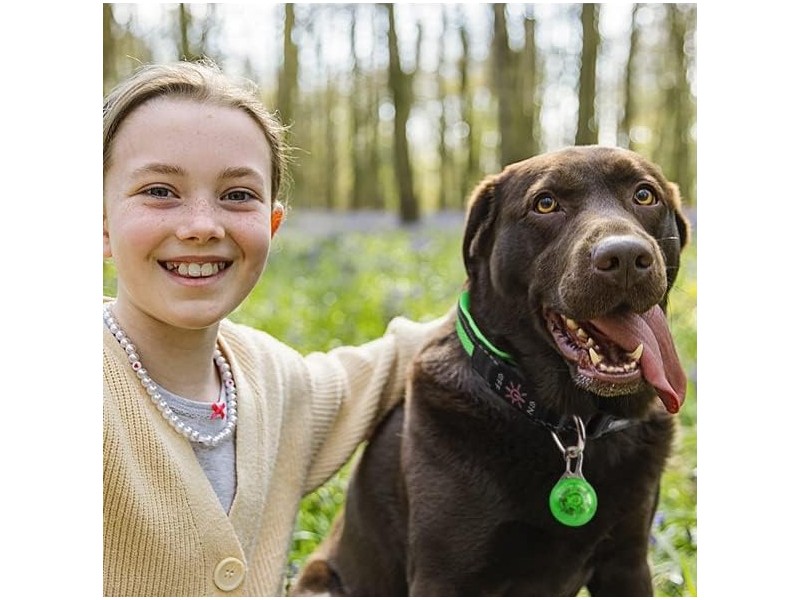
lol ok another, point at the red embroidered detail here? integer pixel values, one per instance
(217, 410)
(514, 394)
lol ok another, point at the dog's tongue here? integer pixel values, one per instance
(660, 365)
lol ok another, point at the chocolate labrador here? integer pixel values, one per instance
(527, 456)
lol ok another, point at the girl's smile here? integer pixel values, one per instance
(199, 268)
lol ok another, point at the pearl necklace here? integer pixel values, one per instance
(150, 387)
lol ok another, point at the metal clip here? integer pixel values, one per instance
(573, 453)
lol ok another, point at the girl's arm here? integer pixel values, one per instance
(355, 386)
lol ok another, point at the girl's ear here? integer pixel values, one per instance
(278, 213)
(106, 239)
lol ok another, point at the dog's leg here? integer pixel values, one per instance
(620, 565)
(628, 574)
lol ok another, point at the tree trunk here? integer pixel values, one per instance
(330, 184)
(184, 24)
(374, 187)
(503, 82)
(683, 151)
(530, 103)
(207, 31)
(471, 175)
(514, 122)
(587, 122)
(445, 157)
(400, 87)
(287, 77)
(110, 75)
(628, 102)
(357, 155)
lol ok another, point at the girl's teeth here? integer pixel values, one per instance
(196, 269)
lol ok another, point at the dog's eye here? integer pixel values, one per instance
(545, 204)
(644, 196)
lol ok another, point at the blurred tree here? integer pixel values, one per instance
(363, 147)
(375, 86)
(109, 45)
(469, 175)
(530, 82)
(288, 73)
(683, 158)
(123, 49)
(194, 32)
(628, 105)
(327, 120)
(446, 191)
(185, 51)
(587, 120)
(400, 86)
(515, 125)
(358, 118)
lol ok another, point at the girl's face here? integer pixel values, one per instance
(187, 211)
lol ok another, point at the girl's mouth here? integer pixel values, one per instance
(194, 269)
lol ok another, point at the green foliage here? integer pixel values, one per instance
(674, 534)
(317, 294)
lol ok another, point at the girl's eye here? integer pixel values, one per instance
(239, 196)
(645, 196)
(158, 192)
(545, 204)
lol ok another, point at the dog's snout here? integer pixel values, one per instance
(623, 259)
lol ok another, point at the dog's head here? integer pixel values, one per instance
(570, 257)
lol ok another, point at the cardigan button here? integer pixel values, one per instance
(229, 574)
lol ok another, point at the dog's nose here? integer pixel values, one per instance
(623, 259)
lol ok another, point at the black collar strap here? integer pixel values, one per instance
(500, 371)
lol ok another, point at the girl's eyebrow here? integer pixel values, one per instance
(237, 172)
(159, 168)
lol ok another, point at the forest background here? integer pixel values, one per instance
(405, 107)
(396, 111)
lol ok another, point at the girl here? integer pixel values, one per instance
(212, 431)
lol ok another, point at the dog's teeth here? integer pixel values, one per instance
(596, 358)
(571, 324)
(582, 335)
(590, 342)
(637, 354)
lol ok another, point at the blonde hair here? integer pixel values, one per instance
(202, 81)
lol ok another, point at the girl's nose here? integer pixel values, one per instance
(201, 221)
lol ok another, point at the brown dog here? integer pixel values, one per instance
(527, 457)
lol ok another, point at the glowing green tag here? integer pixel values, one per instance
(573, 501)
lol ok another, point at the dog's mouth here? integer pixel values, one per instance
(614, 354)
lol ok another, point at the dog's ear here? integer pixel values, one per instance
(684, 227)
(480, 211)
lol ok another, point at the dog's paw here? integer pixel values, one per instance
(316, 579)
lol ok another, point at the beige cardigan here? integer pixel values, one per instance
(164, 530)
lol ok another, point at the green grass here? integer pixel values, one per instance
(320, 293)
